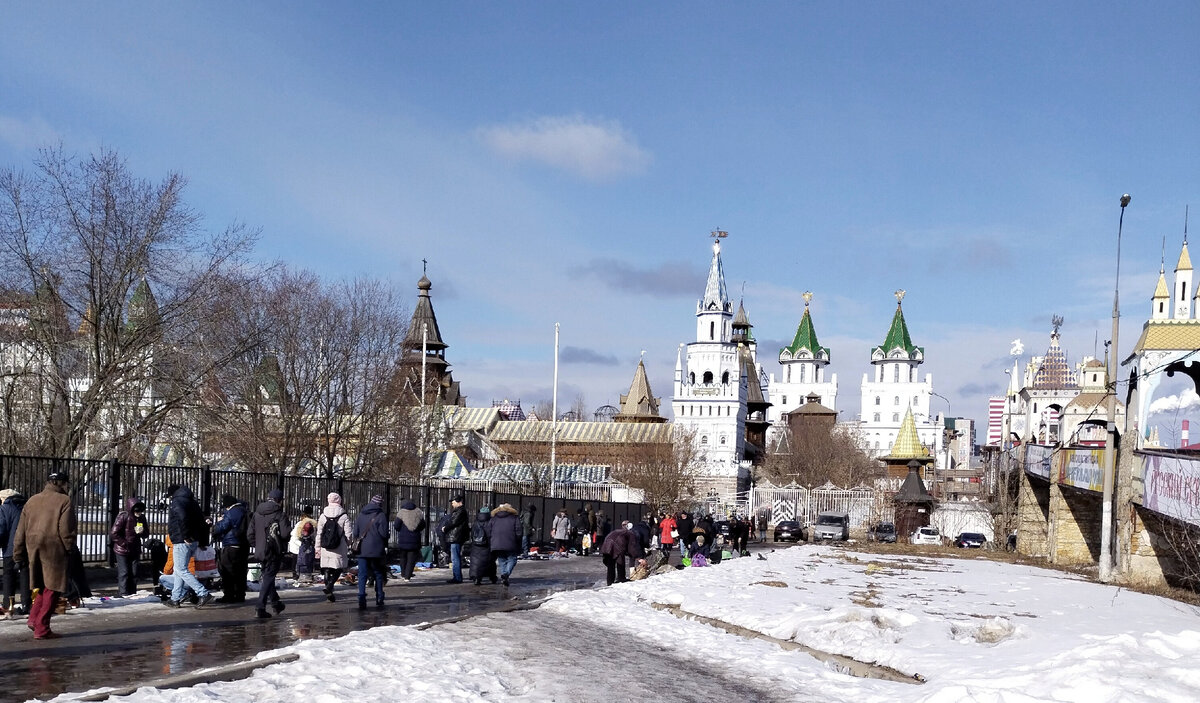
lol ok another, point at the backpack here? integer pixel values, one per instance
(479, 534)
(699, 560)
(331, 533)
(276, 544)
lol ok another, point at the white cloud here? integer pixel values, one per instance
(1187, 400)
(28, 134)
(598, 150)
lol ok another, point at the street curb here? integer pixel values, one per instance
(231, 672)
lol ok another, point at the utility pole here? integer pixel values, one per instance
(1110, 445)
(554, 412)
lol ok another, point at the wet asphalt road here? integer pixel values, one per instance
(136, 644)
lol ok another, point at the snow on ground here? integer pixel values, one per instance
(977, 630)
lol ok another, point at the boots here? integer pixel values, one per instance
(362, 603)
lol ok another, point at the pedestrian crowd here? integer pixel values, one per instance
(42, 563)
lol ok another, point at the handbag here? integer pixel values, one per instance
(674, 534)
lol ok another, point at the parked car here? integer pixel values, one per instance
(973, 540)
(831, 525)
(789, 531)
(882, 532)
(927, 535)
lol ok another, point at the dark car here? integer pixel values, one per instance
(972, 540)
(789, 531)
(882, 532)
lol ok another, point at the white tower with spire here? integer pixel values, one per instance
(710, 390)
(1183, 284)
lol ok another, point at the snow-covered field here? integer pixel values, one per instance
(975, 630)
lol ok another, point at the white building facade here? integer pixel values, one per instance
(803, 364)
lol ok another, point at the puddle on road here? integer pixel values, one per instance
(133, 654)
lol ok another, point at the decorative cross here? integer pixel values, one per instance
(807, 295)
(899, 295)
(424, 266)
(719, 233)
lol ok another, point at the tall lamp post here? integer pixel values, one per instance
(939, 477)
(1110, 445)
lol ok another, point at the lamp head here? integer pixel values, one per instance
(1125, 200)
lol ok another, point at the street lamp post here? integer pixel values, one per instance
(1110, 445)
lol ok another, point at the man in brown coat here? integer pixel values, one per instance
(45, 535)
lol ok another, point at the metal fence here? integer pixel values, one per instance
(99, 490)
(803, 504)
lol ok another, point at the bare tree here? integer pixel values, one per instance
(123, 283)
(666, 472)
(820, 454)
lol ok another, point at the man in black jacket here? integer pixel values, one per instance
(269, 537)
(232, 531)
(189, 532)
(456, 534)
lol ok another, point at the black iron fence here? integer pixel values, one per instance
(100, 488)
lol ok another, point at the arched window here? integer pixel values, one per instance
(708, 378)
(692, 378)
(876, 417)
(896, 374)
(896, 401)
(803, 375)
(722, 440)
(784, 402)
(704, 439)
(725, 377)
(712, 327)
(895, 417)
(877, 400)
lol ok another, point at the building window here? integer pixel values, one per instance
(704, 439)
(896, 401)
(789, 373)
(712, 330)
(722, 440)
(692, 378)
(725, 377)
(895, 417)
(784, 400)
(803, 375)
(1160, 307)
(877, 400)
(708, 377)
(876, 417)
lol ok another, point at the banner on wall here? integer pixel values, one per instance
(1082, 468)
(1172, 486)
(1038, 459)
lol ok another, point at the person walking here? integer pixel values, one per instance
(333, 550)
(409, 526)
(126, 536)
(302, 543)
(233, 561)
(45, 536)
(684, 526)
(268, 536)
(560, 530)
(456, 531)
(15, 577)
(528, 515)
(667, 536)
(189, 532)
(584, 528)
(619, 544)
(482, 564)
(506, 539)
(371, 529)
(644, 533)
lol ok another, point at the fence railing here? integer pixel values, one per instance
(100, 488)
(803, 504)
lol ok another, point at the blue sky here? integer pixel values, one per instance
(565, 162)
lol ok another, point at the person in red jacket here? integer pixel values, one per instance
(667, 536)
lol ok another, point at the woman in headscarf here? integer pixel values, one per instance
(334, 559)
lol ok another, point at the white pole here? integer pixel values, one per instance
(554, 411)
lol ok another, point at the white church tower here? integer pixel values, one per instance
(710, 390)
(892, 389)
(803, 373)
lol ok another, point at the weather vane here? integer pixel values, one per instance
(1057, 322)
(807, 295)
(719, 233)
(899, 295)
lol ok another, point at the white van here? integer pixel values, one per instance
(831, 525)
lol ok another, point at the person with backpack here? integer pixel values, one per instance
(268, 536)
(457, 533)
(410, 523)
(15, 576)
(482, 564)
(302, 543)
(189, 533)
(233, 560)
(126, 538)
(505, 539)
(333, 548)
(619, 544)
(371, 532)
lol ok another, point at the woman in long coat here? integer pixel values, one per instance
(334, 561)
(560, 531)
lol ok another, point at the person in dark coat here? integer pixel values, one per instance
(456, 533)
(506, 539)
(11, 503)
(371, 528)
(126, 536)
(710, 530)
(684, 526)
(189, 532)
(231, 532)
(268, 534)
(480, 542)
(583, 528)
(618, 545)
(528, 517)
(45, 538)
(644, 532)
(409, 526)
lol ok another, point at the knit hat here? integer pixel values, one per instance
(334, 499)
(228, 501)
(275, 495)
(485, 509)
(8, 493)
(458, 499)
(377, 499)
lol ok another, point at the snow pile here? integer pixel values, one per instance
(976, 630)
